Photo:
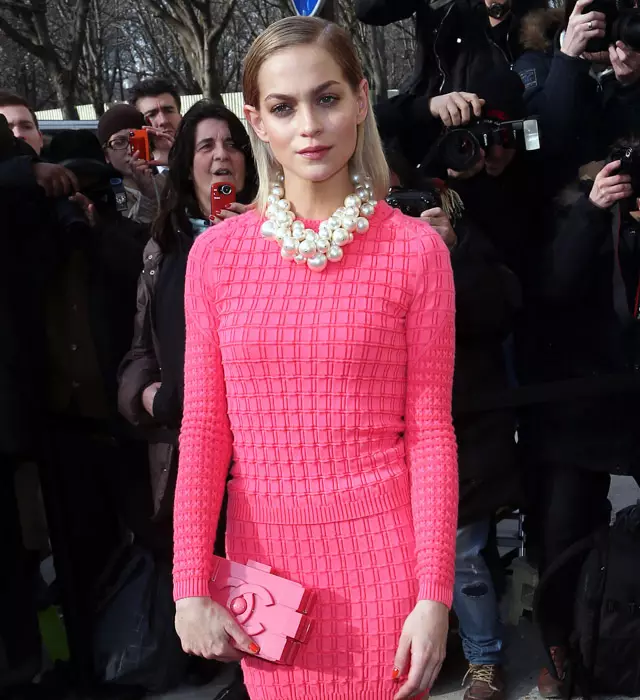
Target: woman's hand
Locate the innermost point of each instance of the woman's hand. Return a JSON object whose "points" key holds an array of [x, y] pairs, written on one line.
{"points": [[625, 63], [422, 648], [149, 395], [142, 175], [207, 629], [609, 188], [581, 28], [235, 209], [440, 222]]}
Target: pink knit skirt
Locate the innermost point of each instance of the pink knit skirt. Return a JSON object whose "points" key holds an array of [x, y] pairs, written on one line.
{"points": [[363, 572]]}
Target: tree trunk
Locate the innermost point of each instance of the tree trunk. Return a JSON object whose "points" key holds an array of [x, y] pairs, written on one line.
{"points": [[64, 96], [210, 82], [329, 11], [378, 67]]}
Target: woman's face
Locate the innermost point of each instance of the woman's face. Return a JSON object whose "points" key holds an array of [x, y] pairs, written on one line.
{"points": [[308, 113], [216, 158]]}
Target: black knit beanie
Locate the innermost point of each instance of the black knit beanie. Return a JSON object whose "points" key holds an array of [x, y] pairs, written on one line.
{"points": [[120, 116]]}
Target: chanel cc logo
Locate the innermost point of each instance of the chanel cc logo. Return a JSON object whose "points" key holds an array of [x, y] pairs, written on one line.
{"points": [[243, 603]]}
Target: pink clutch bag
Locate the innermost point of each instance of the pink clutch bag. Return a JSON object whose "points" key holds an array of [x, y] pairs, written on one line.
{"points": [[272, 610]]}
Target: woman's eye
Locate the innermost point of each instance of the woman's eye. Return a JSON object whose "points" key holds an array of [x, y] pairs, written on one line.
{"points": [[280, 109], [328, 99]]}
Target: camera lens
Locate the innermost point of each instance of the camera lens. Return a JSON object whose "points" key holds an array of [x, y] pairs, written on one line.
{"points": [[627, 29], [459, 150], [225, 189]]}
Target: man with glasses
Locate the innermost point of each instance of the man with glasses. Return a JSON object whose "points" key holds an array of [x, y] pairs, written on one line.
{"points": [[141, 183], [159, 102]]}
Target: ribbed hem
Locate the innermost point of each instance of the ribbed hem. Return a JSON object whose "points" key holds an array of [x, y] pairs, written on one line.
{"points": [[191, 588], [371, 499], [430, 590], [268, 694]]}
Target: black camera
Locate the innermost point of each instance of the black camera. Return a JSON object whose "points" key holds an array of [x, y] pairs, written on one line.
{"points": [[413, 202], [629, 157], [622, 24], [459, 148]]}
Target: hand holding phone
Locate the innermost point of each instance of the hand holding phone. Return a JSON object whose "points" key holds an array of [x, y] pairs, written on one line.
{"points": [[139, 141], [223, 194]]}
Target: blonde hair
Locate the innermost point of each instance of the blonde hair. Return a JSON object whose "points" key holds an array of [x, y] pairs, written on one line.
{"points": [[368, 158]]}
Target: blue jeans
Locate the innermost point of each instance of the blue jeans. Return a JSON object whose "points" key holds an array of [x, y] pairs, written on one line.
{"points": [[474, 597]]}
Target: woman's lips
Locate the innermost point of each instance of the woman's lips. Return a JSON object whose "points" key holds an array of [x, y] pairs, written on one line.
{"points": [[315, 152]]}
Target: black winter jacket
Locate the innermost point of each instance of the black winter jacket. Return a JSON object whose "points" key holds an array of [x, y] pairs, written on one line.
{"points": [[27, 250], [487, 299], [455, 42], [588, 332]]}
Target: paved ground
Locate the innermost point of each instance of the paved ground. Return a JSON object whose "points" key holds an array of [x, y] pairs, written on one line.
{"points": [[524, 656]]}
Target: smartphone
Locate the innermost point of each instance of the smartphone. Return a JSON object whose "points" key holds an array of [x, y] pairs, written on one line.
{"points": [[222, 195], [139, 141]]}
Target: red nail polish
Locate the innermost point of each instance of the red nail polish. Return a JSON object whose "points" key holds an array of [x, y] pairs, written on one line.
{"points": [[395, 674], [254, 648]]}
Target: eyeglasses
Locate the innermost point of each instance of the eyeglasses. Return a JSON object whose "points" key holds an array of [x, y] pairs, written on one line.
{"points": [[120, 143]]}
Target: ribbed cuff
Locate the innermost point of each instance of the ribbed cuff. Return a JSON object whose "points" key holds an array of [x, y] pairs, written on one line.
{"points": [[431, 590], [191, 588]]}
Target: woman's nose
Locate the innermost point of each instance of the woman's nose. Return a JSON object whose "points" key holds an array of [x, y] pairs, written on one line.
{"points": [[220, 152], [309, 123]]}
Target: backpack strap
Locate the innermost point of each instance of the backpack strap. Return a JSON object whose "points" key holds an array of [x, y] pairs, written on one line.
{"points": [[556, 567]]}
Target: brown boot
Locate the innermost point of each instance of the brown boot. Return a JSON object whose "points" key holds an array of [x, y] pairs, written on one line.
{"points": [[548, 686], [487, 683]]}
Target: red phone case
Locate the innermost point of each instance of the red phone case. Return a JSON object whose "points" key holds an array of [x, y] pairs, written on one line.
{"points": [[222, 195], [139, 141]]}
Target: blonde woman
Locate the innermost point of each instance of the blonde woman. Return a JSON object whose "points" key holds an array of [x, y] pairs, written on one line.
{"points": [[319, 355]]}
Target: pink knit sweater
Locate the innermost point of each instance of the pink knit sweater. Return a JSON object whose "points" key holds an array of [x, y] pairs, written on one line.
{"points": [[331, 391]]}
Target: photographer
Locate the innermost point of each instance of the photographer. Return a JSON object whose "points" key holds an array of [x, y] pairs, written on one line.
{"points": [[457, 40], [589, 285], [503, 186], [26, 248], [142, 184], [582, 79], [159, 102], [67, 306], [487, 299]]}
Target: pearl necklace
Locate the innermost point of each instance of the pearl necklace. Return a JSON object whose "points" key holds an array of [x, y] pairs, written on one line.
{"points": [[316, 249]]}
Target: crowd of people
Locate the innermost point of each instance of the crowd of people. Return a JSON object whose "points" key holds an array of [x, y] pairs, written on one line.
{"points": [[309, 378]]}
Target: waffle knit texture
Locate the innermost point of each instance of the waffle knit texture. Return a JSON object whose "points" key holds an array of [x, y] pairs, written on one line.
{"points": [[331, 391]]}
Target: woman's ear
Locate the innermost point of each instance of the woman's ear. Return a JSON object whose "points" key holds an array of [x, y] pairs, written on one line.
{"points": [[254, 118], [363, 100]]}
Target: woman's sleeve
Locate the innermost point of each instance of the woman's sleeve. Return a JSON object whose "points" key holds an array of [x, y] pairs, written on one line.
{"points": [[205, 440], [429, 438], [140, 367]]}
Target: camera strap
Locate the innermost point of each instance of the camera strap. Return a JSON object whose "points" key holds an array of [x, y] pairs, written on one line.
{"points": [[119, 193]]}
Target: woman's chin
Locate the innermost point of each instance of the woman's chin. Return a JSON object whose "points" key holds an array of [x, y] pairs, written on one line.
{"points": [[318, 173]]}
